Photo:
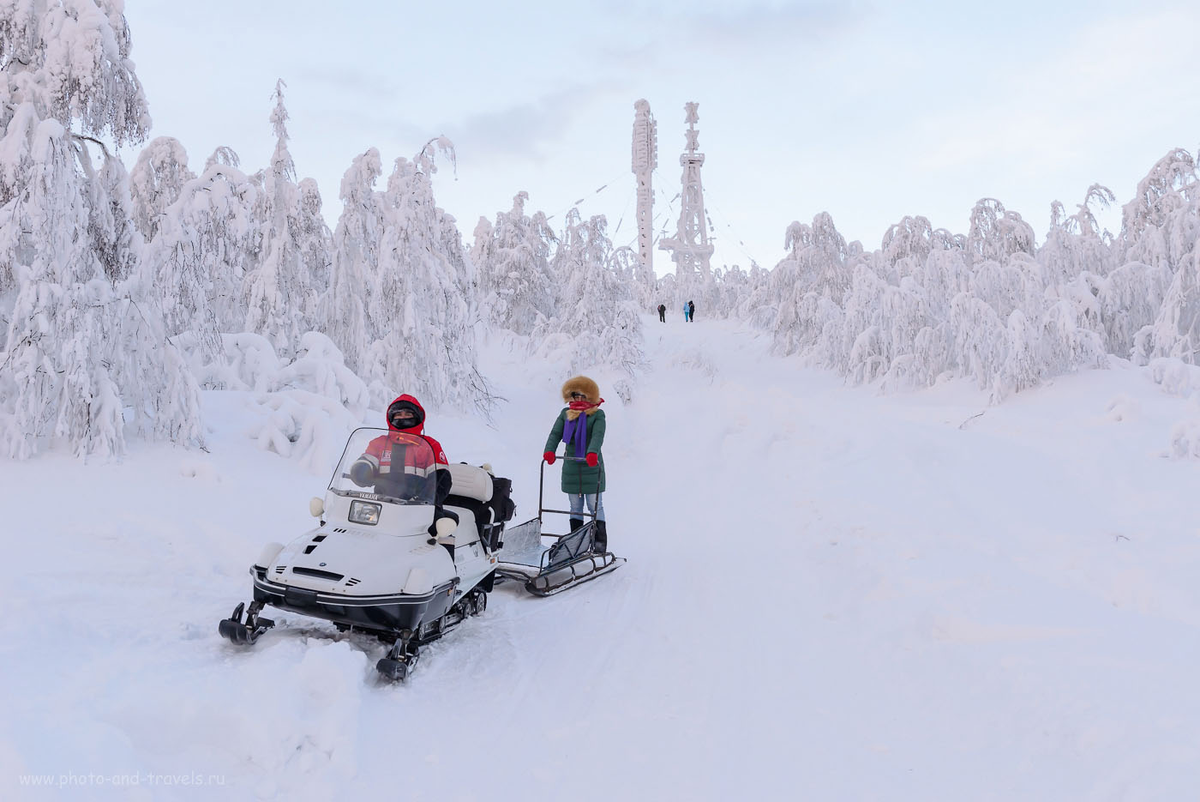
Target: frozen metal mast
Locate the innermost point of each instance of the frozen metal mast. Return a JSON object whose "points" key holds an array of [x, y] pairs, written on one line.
{"points": [[645, 159], [690, 248]]}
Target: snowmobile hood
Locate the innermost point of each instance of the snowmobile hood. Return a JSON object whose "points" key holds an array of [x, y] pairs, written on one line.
{"points": [[409, 401]]}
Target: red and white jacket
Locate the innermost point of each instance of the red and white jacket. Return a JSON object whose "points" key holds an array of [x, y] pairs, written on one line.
{"points": [[416, 461]]}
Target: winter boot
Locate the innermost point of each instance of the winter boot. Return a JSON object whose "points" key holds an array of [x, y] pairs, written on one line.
{"points": [[576, 523], [600, 541]]}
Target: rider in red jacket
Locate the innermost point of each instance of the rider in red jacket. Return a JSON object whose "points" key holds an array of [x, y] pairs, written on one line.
{"points": [[379, 464]]}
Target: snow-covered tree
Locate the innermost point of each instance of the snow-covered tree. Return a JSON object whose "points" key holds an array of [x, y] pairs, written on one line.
{"points": [[997, 233], [419, 309], [598, 319], [1148, 233], [513, 260], [222, 156], [906, 247], [1159, 228], [761, 305], [156, 182], [632, 271], [1130, 298], [1016, 283], [731, 286], [1075, 244], [314, 240], [817, 267], [198, 256], [117, 243], [84, 342], [354, 270], [278, 290], [1176, 330]]}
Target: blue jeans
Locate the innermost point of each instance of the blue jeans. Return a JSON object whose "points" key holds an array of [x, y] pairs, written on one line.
{"points": [[595, 504]]}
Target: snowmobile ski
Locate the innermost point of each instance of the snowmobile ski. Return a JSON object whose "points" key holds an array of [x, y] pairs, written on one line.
{"points": [[236, 631]]}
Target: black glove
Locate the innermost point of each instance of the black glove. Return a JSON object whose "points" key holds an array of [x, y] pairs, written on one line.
{"points": [[361, 473]]}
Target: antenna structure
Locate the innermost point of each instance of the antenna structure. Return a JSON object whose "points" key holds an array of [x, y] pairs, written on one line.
{"points": [[690, 248], [645, 159]]}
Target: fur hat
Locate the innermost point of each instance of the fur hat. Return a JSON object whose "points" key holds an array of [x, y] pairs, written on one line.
{"points": [[581, 384]]}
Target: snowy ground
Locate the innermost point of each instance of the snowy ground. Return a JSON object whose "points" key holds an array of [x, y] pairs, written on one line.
{"points": [[830, 594]]}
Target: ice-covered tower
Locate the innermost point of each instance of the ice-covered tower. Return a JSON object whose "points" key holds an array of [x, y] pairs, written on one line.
{"points": [[690, 247], [645, 159]]}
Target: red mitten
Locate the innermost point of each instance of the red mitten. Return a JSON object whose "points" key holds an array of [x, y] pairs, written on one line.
{"points": [[592, 460], [549, 457]]}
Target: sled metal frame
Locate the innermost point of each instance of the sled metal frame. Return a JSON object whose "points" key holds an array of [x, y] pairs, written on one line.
{"points": [[542, 494], [572, 558], [585, 565]]}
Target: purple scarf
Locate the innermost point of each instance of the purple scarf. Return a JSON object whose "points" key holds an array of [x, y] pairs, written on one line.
{"points": [[577, 430]]}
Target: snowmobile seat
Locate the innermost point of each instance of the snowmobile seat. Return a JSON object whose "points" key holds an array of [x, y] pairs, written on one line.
{"points": [[470, 482], [471, 490]]}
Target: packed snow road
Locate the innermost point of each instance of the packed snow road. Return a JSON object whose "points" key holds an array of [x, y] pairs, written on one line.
{"points": [[830, 594]]}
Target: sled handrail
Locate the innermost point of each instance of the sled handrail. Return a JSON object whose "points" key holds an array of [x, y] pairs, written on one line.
{"points": [[542, 490]]}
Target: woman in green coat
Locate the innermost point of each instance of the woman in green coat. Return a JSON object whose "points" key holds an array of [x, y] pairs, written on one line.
{"points": [[581, 427]]}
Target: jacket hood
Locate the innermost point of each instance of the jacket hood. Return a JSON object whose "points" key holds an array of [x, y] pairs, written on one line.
{"points": [[412, 402], [581, 384]]}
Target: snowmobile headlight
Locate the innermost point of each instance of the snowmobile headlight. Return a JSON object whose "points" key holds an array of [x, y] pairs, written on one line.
{"points": [[364, 512]]}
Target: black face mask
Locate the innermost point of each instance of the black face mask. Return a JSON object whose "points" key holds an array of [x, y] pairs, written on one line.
{"points": [[406, 423]]}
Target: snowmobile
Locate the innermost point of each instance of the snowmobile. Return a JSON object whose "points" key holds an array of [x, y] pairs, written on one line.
{"points": [[387, 558], [573, 558]]}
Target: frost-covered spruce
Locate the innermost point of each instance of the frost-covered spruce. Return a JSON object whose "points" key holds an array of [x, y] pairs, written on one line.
{"points": [[83, 339], [278, 290]]}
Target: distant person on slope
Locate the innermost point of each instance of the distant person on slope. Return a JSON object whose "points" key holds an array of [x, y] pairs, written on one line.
{"points": [[691, 312], [662, 312], [580, 426], [687, 313]]}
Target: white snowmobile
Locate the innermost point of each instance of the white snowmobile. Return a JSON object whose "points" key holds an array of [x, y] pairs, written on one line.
{"points": [[389, 557]]}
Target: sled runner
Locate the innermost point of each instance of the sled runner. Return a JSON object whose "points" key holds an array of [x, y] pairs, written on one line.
{"points": [[571, 560]]}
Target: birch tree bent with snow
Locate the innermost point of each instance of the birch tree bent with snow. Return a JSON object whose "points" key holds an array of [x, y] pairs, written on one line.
{"points": [[84, 355]]}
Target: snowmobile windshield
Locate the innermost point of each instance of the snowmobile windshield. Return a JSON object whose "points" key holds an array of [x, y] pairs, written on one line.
{"points": [[388, 466]]}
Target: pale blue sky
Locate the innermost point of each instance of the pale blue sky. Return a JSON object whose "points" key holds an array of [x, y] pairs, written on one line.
{"points": [[870, 111]]}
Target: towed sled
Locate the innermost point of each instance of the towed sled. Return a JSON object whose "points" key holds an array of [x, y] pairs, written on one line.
{"points": [[571, 559], [386, 559]]}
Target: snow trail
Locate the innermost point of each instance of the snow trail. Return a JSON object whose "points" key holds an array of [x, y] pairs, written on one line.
{"points": [[829, 593]]}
